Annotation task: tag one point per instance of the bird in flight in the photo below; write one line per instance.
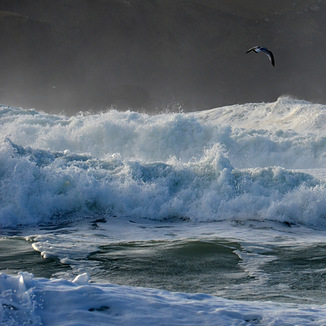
(258, 49)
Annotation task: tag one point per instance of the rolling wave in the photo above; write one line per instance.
(238, 162)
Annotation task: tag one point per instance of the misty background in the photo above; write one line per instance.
(148, 55)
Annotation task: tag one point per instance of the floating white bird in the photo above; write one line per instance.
(258, 49)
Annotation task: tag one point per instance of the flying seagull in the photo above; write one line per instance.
(258, 49)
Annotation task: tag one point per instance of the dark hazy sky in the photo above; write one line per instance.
(151, 54)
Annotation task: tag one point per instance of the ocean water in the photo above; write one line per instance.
(215, 217)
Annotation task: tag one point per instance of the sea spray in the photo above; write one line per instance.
(203, 166)
(39, 186)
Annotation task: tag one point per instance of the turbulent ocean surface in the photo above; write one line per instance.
(216, 217)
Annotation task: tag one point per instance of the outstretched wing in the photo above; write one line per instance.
(252, 49)
(269, 54)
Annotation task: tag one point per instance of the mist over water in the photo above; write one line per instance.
(152, 55)
(191, 166)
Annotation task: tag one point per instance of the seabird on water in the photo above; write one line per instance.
(258, 49)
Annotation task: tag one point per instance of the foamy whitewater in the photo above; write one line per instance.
(216, 217)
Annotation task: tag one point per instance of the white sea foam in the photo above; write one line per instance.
(245, 165)
(239, 162)
(26, 300)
